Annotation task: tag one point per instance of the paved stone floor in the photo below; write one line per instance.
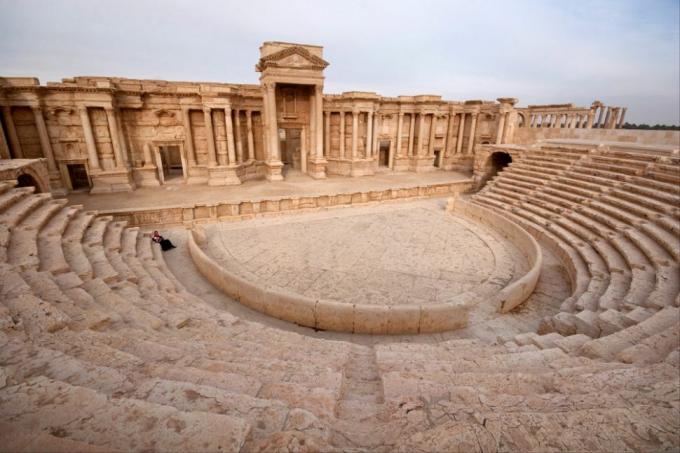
(403, 253)
(295, 184)
(485, 324)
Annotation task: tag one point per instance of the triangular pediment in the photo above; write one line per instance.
(295, 57)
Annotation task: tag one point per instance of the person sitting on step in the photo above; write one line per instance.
(165, 243)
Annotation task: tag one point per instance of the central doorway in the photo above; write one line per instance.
(78, 176)
(291, 143)
(171, 160)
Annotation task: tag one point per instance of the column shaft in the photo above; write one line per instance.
(419, 143)
(355, 134)
(499, 130)
(274, 152)
(400, 126)
(4, 145)
(471, 139)
(12, 136)
(210, 137)
(318, 99)
(430, 143)
(621, 118)
(448, 137)
(89, 139)
(122, 141)
(411, 133)
(369, 135)
(251, 143)
(115, 137)
(327, 133)
(238, 138)
(230, 136)
(188, 136)
(342, 135)
(461, 129)
(44, 139)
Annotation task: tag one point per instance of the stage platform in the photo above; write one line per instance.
(188, 204)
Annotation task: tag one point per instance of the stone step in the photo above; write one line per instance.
(84, 415)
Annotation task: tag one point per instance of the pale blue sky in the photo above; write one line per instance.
(543, 51)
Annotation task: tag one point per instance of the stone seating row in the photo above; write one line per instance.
(87, 278)
(629, 252)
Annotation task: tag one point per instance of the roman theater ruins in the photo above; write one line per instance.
(353, 272)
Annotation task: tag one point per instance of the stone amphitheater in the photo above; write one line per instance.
(520, 297)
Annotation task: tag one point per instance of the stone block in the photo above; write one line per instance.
(335, 316)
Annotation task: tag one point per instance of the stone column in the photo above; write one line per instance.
(600, 117)
(327, 133)
(369, 135)
(123, 142)
(355, 133)
(411, 133)
(473, 128)
(237, 134)
(318, 110)
(430, 143)
(591, 117)
(230, 136)
(621, 118)
(44, 139)
(148, 162)
(606, 118)
(419, 145)
(400, 126)
(115, 137)
(89, 139)
(251, 142)
(188, 136)
(210, 137)
(499, 130)
(342, 135)
(461, 129)
(14, 143)
(4, 146)
(377, 122)
(507, 127)
(448, 138)
(273, 154)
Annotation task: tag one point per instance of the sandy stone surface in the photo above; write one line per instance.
(389, 254)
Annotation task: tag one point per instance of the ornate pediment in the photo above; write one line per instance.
(295, 57)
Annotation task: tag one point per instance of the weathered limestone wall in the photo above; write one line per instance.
(531, 135)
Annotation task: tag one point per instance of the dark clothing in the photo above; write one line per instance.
(165, 243)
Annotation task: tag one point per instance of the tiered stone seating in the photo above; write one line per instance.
(617, 223)
(102, 348)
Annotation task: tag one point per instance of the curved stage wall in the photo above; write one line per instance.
(376, 319)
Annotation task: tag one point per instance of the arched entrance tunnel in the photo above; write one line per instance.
(494, 164)
(26, 180)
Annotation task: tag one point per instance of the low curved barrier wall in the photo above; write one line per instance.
(374, 319)
(518, 291)
(329, 314)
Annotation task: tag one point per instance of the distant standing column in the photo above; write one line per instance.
(273, 135)
(342, 135)
(327, 133)
(249, 125)
(473, 127)
(89, 139)
(115, 137)
(623, 115)
(230, 136)
(461, 129)
(210, 137)
(400, 126)
(377, 122)
(430, 143)
(499, 130)
(188, 137)
(369, 135)
(12, 136)
(411, 133)
(506, 128)
(448, 138)
(355, 130)
(123, 142)
(606, 118)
